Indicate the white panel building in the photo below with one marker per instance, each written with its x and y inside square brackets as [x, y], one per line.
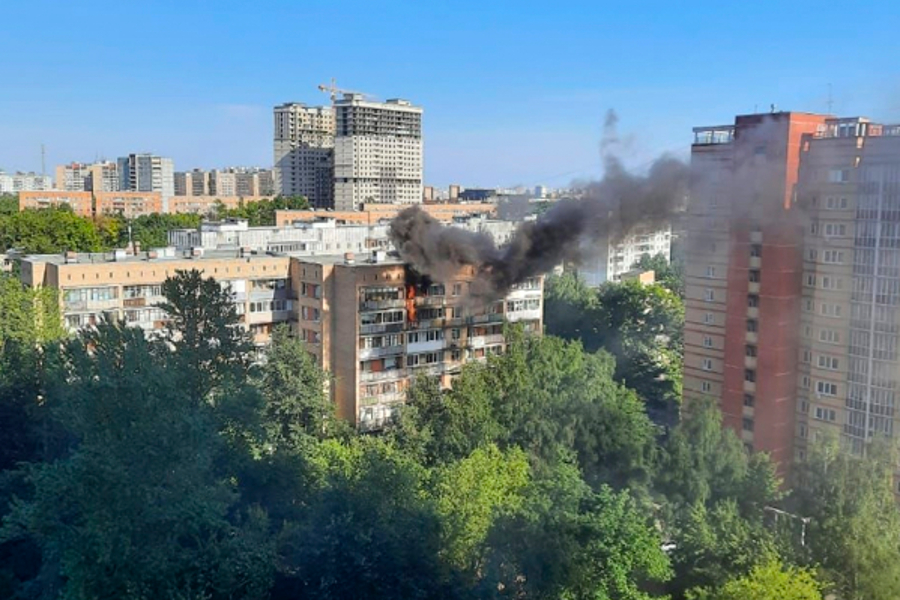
[377, 152]
[611, 260]
[304, 147]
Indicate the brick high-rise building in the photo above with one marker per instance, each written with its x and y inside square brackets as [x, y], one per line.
[744, 265]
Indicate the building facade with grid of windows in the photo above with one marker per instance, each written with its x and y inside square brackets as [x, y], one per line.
[850, 325]
[371, 322]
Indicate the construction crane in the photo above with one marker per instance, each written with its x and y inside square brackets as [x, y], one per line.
[333, 90]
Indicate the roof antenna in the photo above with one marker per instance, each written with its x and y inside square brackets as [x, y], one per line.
[830, 101]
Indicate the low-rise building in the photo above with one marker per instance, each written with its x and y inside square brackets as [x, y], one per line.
[81, 203]
[128, 204]
[611, 260]
[375, 213]
[206, 205]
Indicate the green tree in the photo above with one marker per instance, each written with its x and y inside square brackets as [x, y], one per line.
[569, 541]
[714, 545]
[769, 581]
[371, 530]
[9, 204]
[262, 212]
[152, 231]
[854, 524]
[668, 274]
[293, 388]
[640, 325]
[470, 495]
[48, 231]
[137, 509]
[211, 350]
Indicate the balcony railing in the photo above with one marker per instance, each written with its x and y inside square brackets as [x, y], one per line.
[366, 305]
[383, 375]
[368, 353]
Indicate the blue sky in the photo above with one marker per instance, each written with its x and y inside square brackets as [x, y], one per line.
[514, 91]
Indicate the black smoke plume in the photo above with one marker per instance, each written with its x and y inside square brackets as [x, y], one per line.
[569, 231]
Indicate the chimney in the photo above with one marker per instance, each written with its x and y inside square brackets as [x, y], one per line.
[349, 258]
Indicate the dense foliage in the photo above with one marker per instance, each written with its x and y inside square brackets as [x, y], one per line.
[262, 212]
[640, 325]
[55, 230]
[176, 467]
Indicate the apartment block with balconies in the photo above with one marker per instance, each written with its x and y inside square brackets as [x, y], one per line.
[849, 377]
[376, 325]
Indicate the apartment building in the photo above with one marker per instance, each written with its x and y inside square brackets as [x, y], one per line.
[129, 286]
[849, 372]
[11, 183]
[72, 177]
[375, 325]
[128, 204]
[743, 271]
[372, 323]
[191, 183]
[304, 152]
[147, 173]
[223, 183]
[322, 236]
[372, 214]
[377, 152]
[613, 259]
[206, 205]
[81, 203]
[254, 182]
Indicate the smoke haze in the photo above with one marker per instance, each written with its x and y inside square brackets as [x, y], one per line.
[568, 232]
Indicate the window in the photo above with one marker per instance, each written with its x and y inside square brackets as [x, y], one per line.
[838, 175]
[830, 310]
[710, 271]
[803, 431]
[754, 275]
[749, 400]
[756, 250]
[710, 295]
[749, 375]
[825, 414]
[707, 364]
[828, 362]
[752, 301]
[804, 382]
[708, 318]
[752, 325]
[804, 407]
[835, 229]
[705, 386]
[308, 313]
[750, 351]
[829, 336]
[748, 424]
[806, 357]
[812, 254]
[832, 283]
[833, 203]
[826, 388]
[835, 257]
[811, 280]
[457, 289]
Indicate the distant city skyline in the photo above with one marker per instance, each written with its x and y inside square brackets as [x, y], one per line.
[514, 94]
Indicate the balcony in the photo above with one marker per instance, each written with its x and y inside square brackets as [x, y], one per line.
[756, 237]
[747, 436]
[480, 341]
[749, 386]
[427, 324]
[388, 398]
[369, 353]
[752, 312]
[750, 362]
[755, 262]
[268, 316]
[390, 374]
[488, 318]
[524, 315]
[431, 300]
[752, 337]
[432, 370]
[367, 305]
[432, 346]
[753, 287]
[381, 328]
